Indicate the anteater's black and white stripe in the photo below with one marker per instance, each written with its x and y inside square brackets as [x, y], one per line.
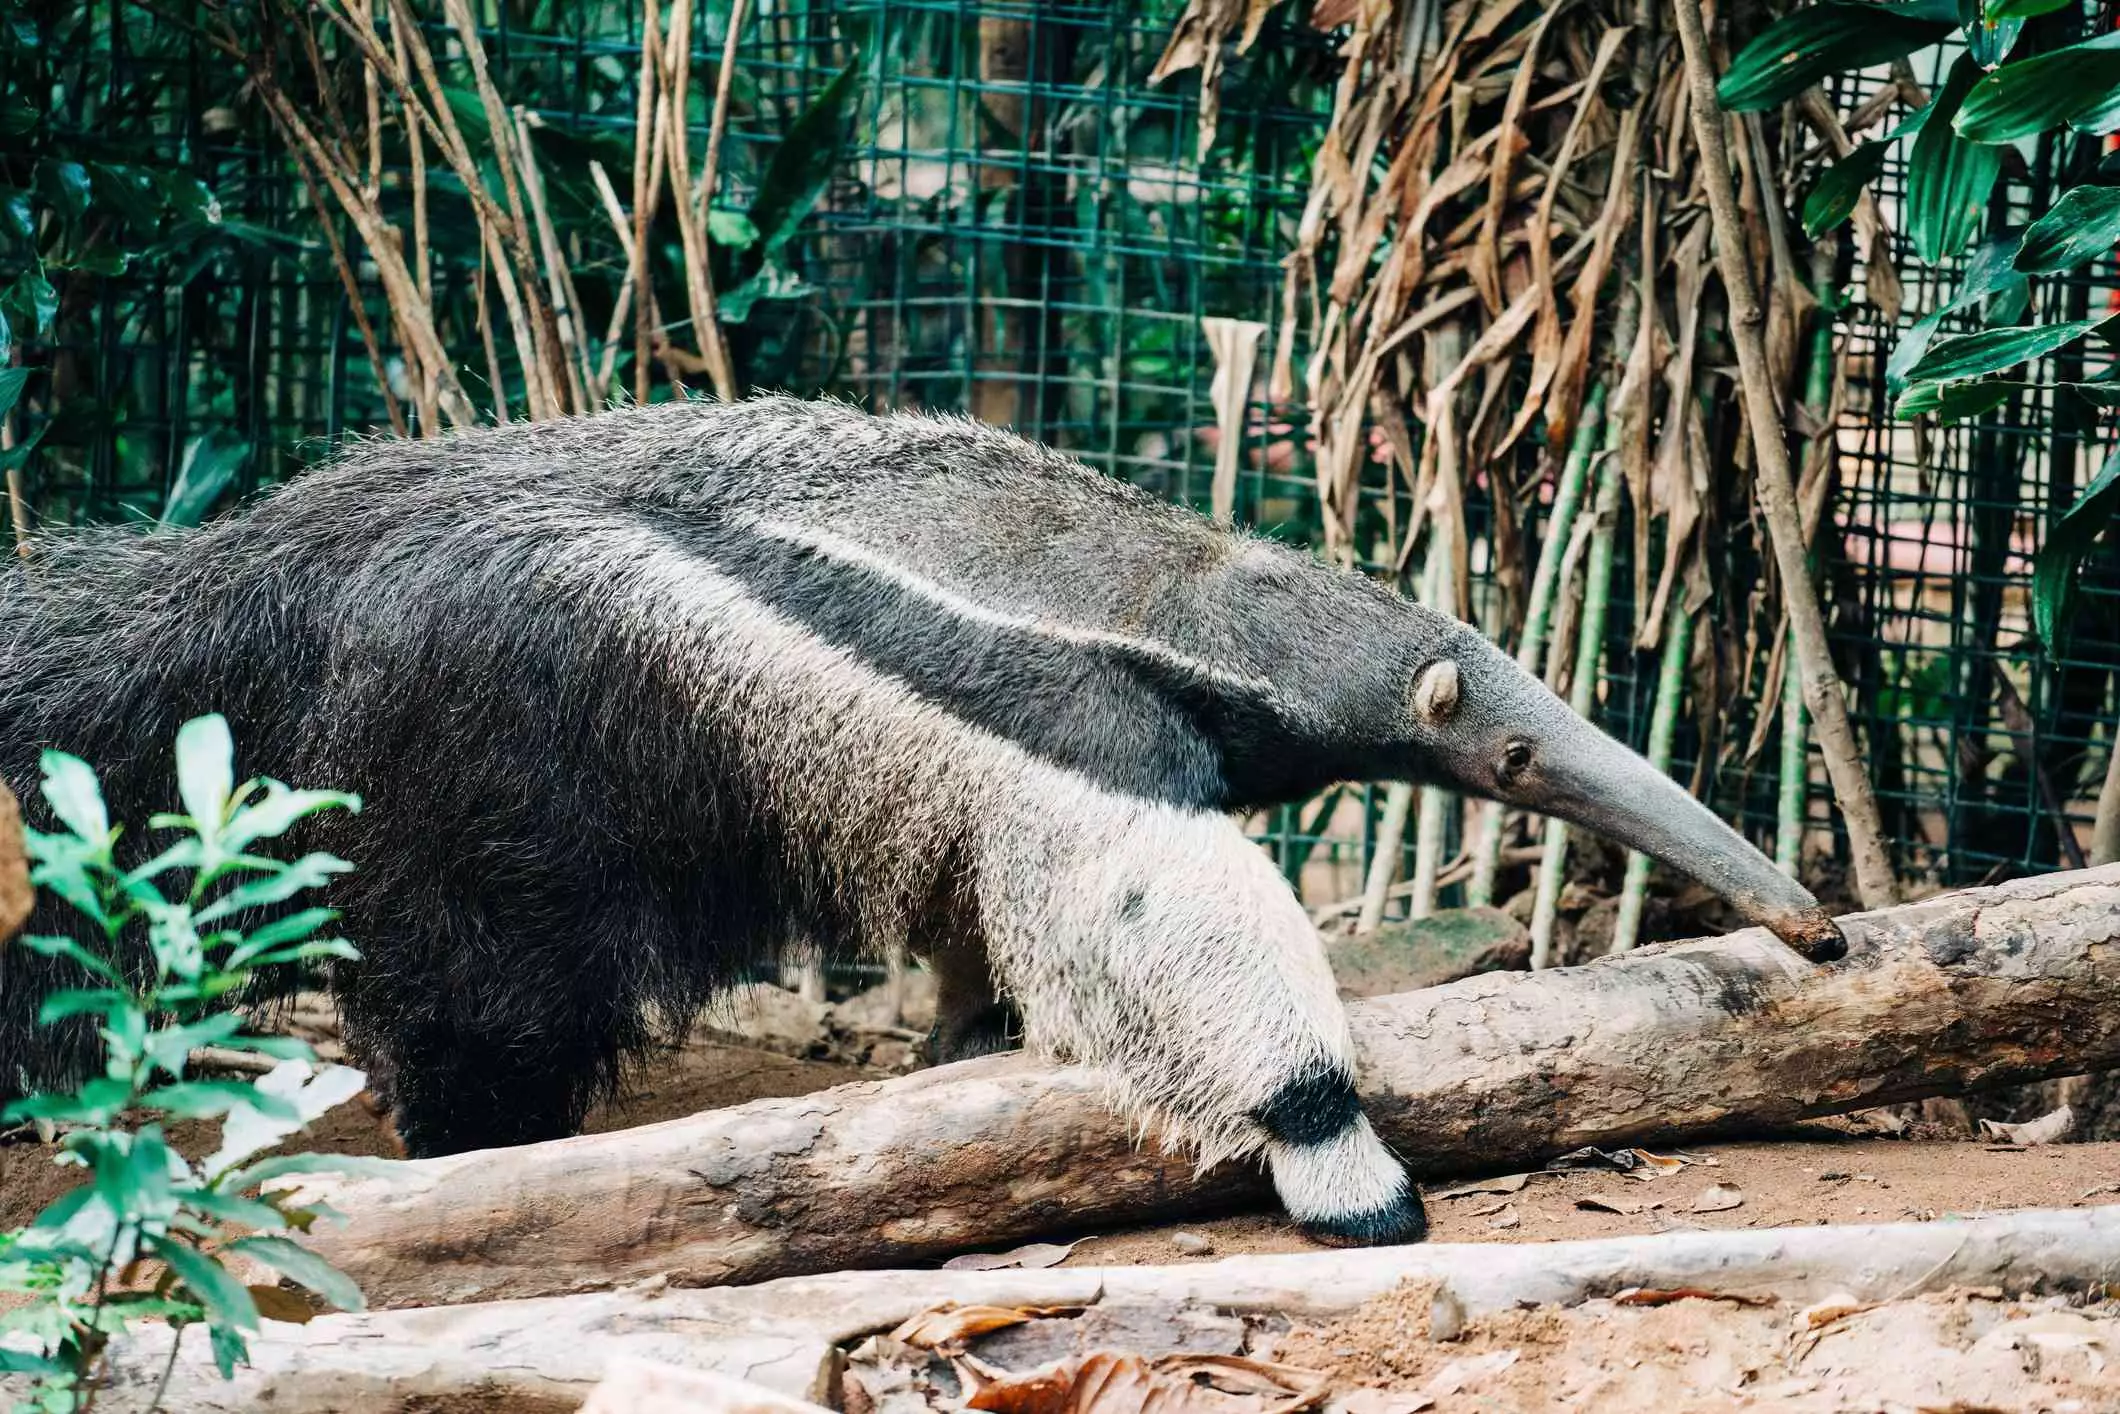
[640, 698]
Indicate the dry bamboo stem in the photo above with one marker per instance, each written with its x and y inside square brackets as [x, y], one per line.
[1670, 691]
[1384, 861]
[544, 335]
[1438, 592]
[1823, 692]
[647, 152]
[2105, 829]
[1546, 582]
[1582, 693]
[691, 215]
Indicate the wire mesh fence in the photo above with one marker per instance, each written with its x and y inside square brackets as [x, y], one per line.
[1020, 223]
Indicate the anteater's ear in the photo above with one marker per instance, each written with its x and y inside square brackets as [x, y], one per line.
[1435, 692]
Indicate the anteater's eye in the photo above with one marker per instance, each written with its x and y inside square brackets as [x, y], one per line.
[1516, 759]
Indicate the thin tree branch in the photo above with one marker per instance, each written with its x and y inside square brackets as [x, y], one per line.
[1823, 691]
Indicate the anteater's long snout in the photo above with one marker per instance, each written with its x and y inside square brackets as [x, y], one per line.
[1594, 781]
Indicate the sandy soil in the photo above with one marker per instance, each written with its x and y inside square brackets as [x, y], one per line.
[1815, 1175]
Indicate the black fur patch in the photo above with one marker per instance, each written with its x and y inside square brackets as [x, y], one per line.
[1318, 1107]
[1399, 1222]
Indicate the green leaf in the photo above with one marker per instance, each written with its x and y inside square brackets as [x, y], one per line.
[1816, 41]
[293, 1165]
[1988, 38]
[56, 945]
[206, 774]
[732, 229]
[1951, 402]
[2028, 97]
[210, 1099]
[309, 872]
[2025, 9]
[18, 455]
[226, 1302]
[98, 1102]
[210, 463]
[76, 796]
[2083, 225]
[79, 1001]
[33, 300]
[233, 1208]
[2054, 567]
[279, 809]
[1840, 186]
[66, 186]
[11, 383]
[1992, 350]
[806, 159]
[1948, 178]
[299, 1264]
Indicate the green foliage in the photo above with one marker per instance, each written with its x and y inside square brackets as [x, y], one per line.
[1833, 199]
[2054, 570]
[147, 1234]
[2073, 86]
[1952, 168]
[1817, 41]
[1948, 177]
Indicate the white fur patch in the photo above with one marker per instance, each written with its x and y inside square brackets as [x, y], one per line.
[1345, 1177]
[1151, 942]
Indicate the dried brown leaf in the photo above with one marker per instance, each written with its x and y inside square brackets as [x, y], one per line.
[946, 1325]
[1030, 1257]
[1720, 1198]
[1601, 1203]
[1508, 1183]
[1652, 1296]
[1105, 1382]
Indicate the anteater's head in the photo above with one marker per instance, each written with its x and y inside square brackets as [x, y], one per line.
[1474, 720]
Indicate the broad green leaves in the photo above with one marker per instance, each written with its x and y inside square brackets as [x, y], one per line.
[210, 464]
[2054, 569]
[2083, 225]
[1809, 44]
[1992, 350]
[1833, 199]
[1948, 177]
[2031, 95]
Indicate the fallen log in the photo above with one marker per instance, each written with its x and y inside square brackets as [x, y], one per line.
[548, 1353]
[1980, 988]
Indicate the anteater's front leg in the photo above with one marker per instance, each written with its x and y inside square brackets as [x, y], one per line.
[1160, 946]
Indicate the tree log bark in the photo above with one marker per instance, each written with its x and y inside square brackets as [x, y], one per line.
[1981, 988]
[547, 1354]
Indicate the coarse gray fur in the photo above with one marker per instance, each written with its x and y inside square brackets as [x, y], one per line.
[640, 699]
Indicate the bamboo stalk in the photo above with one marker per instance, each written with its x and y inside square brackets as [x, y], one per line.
[1384, 860]
[647, 144]
[491, 219]
[1545, 585]
[1823, 692]
[574, 354]
[2105, 828]
[1438, 592]
[422, 250]
[1582, 693]
[1795, 767]
[544, 334]
[1663, 726]
[621, 308]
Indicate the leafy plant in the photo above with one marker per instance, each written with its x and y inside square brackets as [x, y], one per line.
[149, 1233]
[1956, 156]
